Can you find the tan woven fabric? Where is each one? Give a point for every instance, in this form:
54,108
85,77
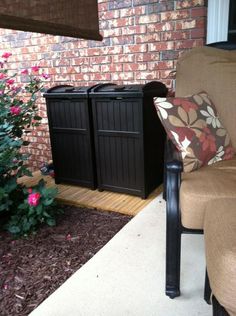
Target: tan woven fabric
220,244
214,71
205,185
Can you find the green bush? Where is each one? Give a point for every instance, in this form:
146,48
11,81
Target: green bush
18,115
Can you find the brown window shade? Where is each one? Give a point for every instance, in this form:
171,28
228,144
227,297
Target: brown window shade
75,18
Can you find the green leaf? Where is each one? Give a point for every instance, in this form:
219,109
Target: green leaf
37,118
14,229
48,202
51,221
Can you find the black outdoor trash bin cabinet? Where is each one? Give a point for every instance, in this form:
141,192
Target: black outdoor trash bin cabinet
129,138
71,135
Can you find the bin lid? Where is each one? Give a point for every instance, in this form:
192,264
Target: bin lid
68,91
153,88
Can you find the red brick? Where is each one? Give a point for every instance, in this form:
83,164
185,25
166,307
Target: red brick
188,44
184,25
79,61
108,15
111,32
197,12
160,65
111,68
100,77
175,15
147,38
89,69
122,40
198,33
127,58
147,75
135,48
132,11
161,27
160,46
145,19
122,76
135,67
121,22
100,60
137,29
80,76
189,3
147,57
173,36
102,6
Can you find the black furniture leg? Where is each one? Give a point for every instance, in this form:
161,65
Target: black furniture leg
218,310
173,231
207,290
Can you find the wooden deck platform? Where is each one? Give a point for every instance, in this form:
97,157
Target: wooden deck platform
108,201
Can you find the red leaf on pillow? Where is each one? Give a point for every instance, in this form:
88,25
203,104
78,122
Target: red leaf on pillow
184,132
185,104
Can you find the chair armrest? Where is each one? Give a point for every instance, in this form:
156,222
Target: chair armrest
173,166
173,159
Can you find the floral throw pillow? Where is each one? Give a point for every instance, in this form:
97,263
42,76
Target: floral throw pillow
194,126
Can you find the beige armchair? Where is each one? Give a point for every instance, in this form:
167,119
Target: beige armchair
212,72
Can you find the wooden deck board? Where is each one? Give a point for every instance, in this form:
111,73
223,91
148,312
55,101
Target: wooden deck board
106,200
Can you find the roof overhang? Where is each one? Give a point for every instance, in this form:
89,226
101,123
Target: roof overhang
74,18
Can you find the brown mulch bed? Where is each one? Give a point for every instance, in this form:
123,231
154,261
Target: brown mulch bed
31,269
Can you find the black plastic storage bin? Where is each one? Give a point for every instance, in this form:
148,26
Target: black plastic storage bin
129,138
71,133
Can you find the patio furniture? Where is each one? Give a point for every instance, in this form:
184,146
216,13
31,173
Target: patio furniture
220,247
209,75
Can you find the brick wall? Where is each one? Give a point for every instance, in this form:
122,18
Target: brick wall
142,41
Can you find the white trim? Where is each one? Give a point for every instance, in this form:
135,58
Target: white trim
217,21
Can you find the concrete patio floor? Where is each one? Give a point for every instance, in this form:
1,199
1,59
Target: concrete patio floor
127,276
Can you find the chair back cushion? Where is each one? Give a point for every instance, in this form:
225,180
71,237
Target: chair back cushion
212,70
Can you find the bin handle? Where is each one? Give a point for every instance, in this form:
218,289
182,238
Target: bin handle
102,85
60,86
121,88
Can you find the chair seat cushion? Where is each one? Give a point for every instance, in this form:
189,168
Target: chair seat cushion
220,245
203,186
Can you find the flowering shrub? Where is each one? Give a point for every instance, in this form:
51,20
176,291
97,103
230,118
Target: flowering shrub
18,114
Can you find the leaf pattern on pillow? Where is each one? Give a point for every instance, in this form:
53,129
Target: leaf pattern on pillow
195,128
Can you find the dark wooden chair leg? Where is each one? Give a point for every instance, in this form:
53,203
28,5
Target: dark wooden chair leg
207,290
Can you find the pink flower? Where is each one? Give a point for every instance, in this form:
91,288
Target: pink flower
68,237
2,75
10,81
6,55
35,68
33,199
15,110
45,76
24,72
30,190
5,286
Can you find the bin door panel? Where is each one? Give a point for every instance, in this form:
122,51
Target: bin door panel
118,115
71,157
68,114
119,163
